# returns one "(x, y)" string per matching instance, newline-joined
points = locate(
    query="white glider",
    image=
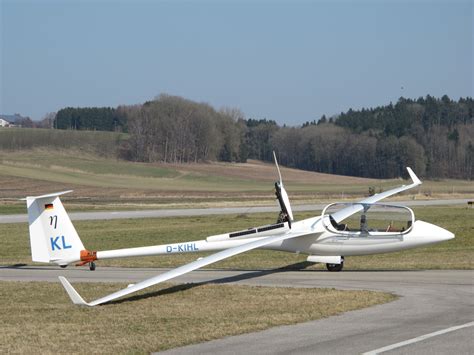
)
(326, 239)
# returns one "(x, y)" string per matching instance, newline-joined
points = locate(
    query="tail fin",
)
(53, 237)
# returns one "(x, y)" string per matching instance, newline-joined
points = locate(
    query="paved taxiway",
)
(429, 301)
(82, 216)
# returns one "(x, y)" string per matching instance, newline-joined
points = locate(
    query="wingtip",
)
(72, 293)
(278, 168)
(413, 177)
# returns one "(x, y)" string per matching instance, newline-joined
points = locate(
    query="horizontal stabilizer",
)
(54, 194)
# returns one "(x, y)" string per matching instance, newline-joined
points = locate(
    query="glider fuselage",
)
(316, 241)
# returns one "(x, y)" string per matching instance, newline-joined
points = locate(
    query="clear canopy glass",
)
(368, 219)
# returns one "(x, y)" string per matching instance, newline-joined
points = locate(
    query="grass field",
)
(101, 183)
(40, 318)
(167, 316)
(101, 235)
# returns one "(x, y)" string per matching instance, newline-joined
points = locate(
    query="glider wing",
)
(77, 299)
(349, 211)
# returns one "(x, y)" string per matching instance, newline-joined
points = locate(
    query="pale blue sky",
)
(290, 61)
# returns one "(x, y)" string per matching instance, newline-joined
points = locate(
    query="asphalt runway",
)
(82, 216)
(431, 303)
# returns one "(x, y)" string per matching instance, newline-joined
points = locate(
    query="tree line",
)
(433, 136)
(89, 118)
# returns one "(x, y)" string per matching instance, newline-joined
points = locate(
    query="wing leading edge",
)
(77, 299)
(349, 211)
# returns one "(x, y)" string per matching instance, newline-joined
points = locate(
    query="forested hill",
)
(433, 136)
(399, 119)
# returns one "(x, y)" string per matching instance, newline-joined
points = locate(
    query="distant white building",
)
(9, 120)
(4, 123)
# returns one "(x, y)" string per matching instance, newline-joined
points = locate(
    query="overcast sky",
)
(290, 61)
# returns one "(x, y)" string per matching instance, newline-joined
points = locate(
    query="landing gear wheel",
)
(336, 267)
(92, 266)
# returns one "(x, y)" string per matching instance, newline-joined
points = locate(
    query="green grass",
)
(38, 318)
(102, 235)
(77, 168)
(98, 142)
(106, 184)
(109, 173)
(82, 164)
(12, 208)
(42, 311)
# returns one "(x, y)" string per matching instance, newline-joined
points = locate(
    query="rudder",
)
(53, 237)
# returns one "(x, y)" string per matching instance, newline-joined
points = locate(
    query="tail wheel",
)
(92, 266)
(336, 267)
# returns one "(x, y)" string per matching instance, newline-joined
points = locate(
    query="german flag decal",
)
(48, 206)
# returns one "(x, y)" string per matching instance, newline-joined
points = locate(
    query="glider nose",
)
(431, 233)
(439, 234)
(444, 235)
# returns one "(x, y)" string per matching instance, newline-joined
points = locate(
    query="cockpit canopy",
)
(368, 219)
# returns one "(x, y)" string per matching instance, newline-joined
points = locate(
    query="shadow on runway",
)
(31, 267)
(245, 276)
(259, 273)
(14, 266)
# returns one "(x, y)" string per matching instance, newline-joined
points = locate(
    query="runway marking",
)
(418, 339)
